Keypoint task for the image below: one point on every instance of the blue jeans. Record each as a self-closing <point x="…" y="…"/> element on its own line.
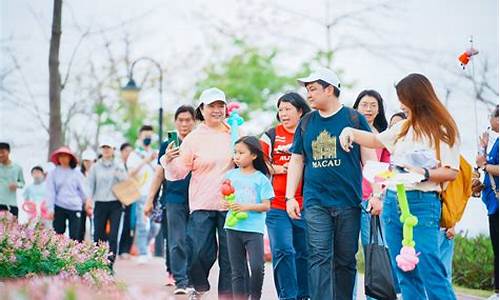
<point x="446" y="253"/>
<point x="208" y="240"/>
<point x="365" y="240"/>
<point x="177" y="216"/>
<point x="333" y="235"/>
<point x="428" y="280"/>
<point x="287" y="238"/>
<point x="146" y="230"/>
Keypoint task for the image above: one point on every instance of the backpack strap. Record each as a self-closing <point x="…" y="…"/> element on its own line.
<point x="271" y="133"/>
<point x="438" y="157"/>
<point x="354" y="116"/>
<point x="304" y="122"/>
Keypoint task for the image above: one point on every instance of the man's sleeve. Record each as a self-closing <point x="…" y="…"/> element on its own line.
<point x="298" y="143"/>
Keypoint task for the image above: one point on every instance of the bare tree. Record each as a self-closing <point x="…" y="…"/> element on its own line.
<point x="55" y="123"/>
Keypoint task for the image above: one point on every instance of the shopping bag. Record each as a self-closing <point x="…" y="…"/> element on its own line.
<point x="379" y="282"/>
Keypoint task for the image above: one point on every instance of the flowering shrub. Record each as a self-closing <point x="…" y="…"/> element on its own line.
<point x="26" y="250"/>
<point x="62" y="286"/>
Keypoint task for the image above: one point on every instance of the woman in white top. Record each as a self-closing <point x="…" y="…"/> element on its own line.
<point x="428" y="124"/>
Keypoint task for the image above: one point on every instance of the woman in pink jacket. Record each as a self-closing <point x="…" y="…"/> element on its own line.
<point x="207" y="153"/>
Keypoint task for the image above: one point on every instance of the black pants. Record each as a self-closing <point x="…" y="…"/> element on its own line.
<point x="493" y="220"/>
<point x="103" y="212"/>
<point x="74" y="220"/>
<point x="242" y="245"/>
<point x="83" y="220"/>
<point x="12" y="209"/>
<point x="208" y="241"/>
<point x="177" y="256"/>
<point x="126" y="237"/>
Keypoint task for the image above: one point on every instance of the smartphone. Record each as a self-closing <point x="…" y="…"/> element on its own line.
<point x="172" y="136"/>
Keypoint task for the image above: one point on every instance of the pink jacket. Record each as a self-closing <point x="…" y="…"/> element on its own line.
<point x="208" y="155"/>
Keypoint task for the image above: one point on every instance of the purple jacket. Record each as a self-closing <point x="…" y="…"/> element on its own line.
<point x="65" y="188"/>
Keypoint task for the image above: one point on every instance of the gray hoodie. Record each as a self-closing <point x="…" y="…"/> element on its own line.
<point x="103" y="175"/>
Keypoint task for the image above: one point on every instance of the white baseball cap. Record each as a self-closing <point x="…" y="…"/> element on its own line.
<point x="324" y="74"/>
<point x="106" y="142"/>
<point x="212" y="95"/>
<point x="89" y="154"/>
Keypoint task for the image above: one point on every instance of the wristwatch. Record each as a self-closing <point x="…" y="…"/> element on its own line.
<point x="426" y="175"/>
<point x="286" y="199"/>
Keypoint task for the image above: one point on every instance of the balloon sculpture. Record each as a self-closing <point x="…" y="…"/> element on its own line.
<point x="30" y="208"/>
<point x="465" y="57"/>
<point x="407" y="258"/>
<point x="228" y="191"/>
<point x="384" y="173"/>
<point x="234" y="120"/>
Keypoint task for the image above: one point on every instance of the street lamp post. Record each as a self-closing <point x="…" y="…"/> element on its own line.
<point x="130" y="92"/>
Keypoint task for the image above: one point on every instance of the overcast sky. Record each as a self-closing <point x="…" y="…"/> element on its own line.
<point x="181" y="35"/>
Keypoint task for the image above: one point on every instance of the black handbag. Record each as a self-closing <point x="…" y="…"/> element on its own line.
<point x="379" y="281"/>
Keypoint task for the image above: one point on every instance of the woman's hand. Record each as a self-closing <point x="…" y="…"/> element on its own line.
<point x="480" y="161"/>
<point x="450" y="233"/>
<point x="346" y="139"/>
<point x="280" y="169"/>
<point x="237" y="207"/>
<point x="171" y="153"/>
<point x="484" y="139"/>
<point x="148" y="207"/>
<point x="89" y="207"/>
<point x="375" y="205"/>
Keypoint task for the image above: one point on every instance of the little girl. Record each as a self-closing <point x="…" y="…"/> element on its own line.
<point x="253" y="191"/>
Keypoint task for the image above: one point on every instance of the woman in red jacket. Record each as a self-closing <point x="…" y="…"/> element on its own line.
<point x="287" y="237"/>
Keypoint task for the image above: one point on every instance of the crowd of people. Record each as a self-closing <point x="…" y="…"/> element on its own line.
<point x="300" y="183"/>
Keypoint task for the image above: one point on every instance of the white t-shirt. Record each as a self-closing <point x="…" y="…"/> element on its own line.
<point x="146" y="173"/>
<point x="450" y="156"/>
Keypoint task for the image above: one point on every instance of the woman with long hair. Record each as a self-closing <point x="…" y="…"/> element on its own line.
<point x="370" y="104"/>
<point x="429" y="128"/>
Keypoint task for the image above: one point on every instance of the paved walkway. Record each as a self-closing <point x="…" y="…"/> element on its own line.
<point x="150" y="279"/>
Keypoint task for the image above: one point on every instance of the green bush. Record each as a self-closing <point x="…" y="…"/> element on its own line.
<point x="30" y="249"/>
<point x="473" y="262"/>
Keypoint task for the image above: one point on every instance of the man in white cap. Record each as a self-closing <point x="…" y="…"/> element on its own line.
<point x="332" y="187"/>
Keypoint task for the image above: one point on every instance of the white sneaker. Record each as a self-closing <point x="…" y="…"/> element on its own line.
<point x="142" y="259"/>
<point x="180" y="291"/>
